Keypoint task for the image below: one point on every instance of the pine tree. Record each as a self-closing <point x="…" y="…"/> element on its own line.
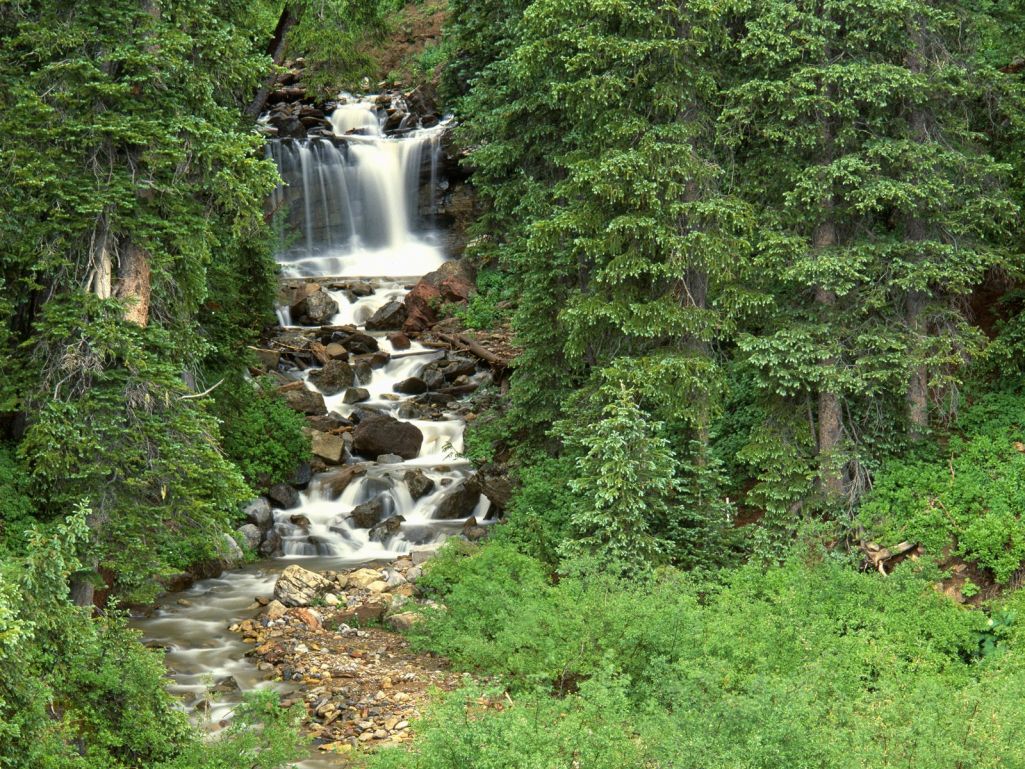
<point x="126" y="176"/>
<point x="881" y="209"/>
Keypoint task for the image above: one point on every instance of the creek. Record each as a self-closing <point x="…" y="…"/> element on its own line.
<point x="353" y="205"/>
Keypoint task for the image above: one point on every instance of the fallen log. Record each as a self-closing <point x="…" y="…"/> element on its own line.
<point x="472" y="346"/>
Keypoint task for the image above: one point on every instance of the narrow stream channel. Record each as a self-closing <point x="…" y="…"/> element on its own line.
<point x="349" y="207"/>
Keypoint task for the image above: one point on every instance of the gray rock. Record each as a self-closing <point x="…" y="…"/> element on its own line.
<point x="229" y="554"/>
<point x="388" y="318"/>
<point x="412" y="386"/>
<point x="305" y="401"/>
<point x="329" y="447"/>
<point x="385" y="435"/>
<point x="389" y="459"/>
<point x="359" y="343"/>
<point x="252" y="535"/>
<point x="389" y="527"/>
<point x="259" y="514"/>
<point x="418" y="483"/>
<point x="315" y="309"/>
<point x="271" y="545"/>
<point x="334" y="377"/>
<point x="356" y="395"/>
<point x="460" y="501"/>
<point x="283" y="496"/>
<point x="368" y="514"/>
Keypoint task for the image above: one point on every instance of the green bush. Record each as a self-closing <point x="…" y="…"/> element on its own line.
<point x="811" y="664"/>
<point x="969" y="498"/>
<point x="261" y="434"/>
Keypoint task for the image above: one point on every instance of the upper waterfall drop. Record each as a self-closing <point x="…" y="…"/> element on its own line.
<point x="349" y="204"/>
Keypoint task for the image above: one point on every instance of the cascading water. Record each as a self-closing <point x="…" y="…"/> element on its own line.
<point x="349" y="206"/>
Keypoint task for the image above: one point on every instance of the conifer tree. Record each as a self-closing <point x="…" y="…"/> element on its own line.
<point x="126" y="174"/>
<point x="881" y="209"/>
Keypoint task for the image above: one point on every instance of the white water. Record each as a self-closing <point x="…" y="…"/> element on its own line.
<point x="351" y="203"/>
<point x="354" y="203"/>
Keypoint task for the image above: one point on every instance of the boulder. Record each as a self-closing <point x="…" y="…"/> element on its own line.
<point x="302" y="476"/>
<point x="329" y="447"/>
<point x="301" y="521"/>
<point x="368" y="514"/>
<point x="229" y="554"/>
<point x="452" y="282"/>
<point x="259" y="514"/>
<point x="271" y="545"/>
<point x="460" y="501"/>
<point x="356" y="395"/>
<point x="283" y="496"/>
<point x="383" y="434"/>
<point x="334" y="377"/>
<point x="418" y="483"/>
<point x="335" y="351"/>
<point x="399" y="341"/>
<point x="388" y="318"/>
<point x="305" y="401"/>
<point x="401" y="623"/>
<point x="298" y="586"/>
<point x="252" y="534"/>
<point x="432" y="377"/>
<point x="359" y="343"/>
<point x="316" y="308"/>
<point x="412" y="386"/>
<point x="275" y="610"/>
<point x="363" y="577"/>
<point x="389" y="527"/>
<point x="364" y="371"/>
<point x="473" y="531"/>
<point x="338" y="480"/>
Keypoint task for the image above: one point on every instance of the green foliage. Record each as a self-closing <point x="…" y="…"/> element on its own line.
<point x="78" y="692"/>
<point x="336" y="38"/>
<point x="809" y="664"/>
<point x="483" y="311"/>
<point x="262" y="436"/>
<point x="968" y="496"/>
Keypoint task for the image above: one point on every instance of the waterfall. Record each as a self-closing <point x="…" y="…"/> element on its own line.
<point x="349" y="204"/>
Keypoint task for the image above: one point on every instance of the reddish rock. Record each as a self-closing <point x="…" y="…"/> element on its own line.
<point x="452" y="282"/>
<point x="399" y="341"/>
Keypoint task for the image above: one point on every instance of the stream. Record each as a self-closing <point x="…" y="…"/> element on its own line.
<point x="351" y="206"/>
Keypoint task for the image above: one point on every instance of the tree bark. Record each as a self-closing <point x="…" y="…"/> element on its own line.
<point x="276" y="49"/>
<point x="830" y="415"/>
<point x="133" y="284"/>
<point x="915" y="230"/>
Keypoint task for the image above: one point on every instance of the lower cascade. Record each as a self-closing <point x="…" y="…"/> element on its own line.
<point x="387" y="437"/>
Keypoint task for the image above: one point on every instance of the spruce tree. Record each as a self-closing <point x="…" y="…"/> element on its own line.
<point x="881" y="209"/>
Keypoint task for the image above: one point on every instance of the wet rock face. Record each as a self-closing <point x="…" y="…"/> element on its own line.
<point x="388" y="318"/>
<point x="313" y="306"/>
<point x="460" y="501"/>
<point x="418" y="483"/>
<point x="383" y="434"/>
<point x="283" y="496"/>
<point x="298" y="587"/>
<point x="335" y="376"/>
<point x="368" y="514"/>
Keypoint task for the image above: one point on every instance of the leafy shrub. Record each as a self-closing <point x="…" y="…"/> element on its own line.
<point x="970" y="498"/>
<point x="483" y="310"/>
<point x="78" y="692"/>
<point x="261" y="434"/>
<point x="810" y="664"/>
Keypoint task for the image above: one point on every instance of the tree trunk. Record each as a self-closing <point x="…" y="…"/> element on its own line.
<point x="915" y="230"/>
<point x="133" y="284"/>
<point x="276" y="49"/>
